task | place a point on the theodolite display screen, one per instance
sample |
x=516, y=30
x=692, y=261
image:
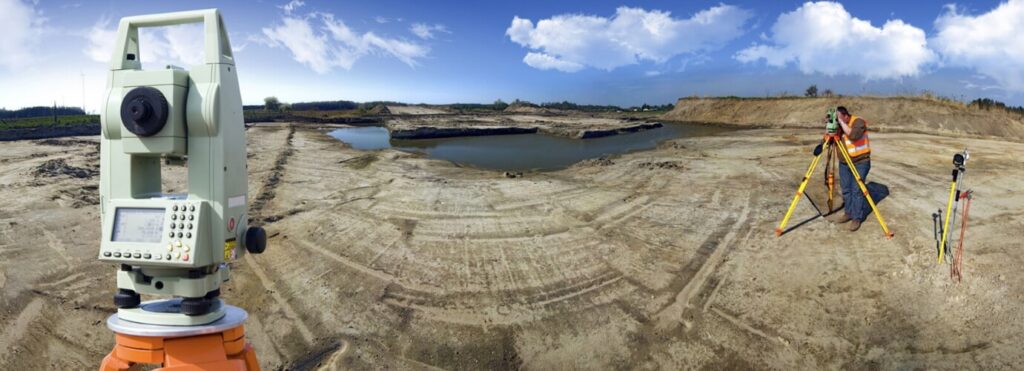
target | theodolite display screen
x=138, y=225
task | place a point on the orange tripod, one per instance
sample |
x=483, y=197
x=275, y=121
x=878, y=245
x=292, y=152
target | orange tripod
x=218, y=346
x=833, y=148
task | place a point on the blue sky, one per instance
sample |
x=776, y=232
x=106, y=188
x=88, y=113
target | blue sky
x=601, y=52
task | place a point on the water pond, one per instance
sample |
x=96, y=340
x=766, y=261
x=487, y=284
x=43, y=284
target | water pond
x=522, y=152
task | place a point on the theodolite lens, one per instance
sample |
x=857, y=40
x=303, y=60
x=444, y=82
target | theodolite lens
x=140, y=110
x=144, y=111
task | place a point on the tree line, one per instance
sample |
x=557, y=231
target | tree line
x=988, y=104
x=39, y=111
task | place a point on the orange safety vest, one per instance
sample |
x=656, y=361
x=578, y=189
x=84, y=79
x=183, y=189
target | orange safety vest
x=860, y=147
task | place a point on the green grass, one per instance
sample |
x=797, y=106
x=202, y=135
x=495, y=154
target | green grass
x=31, y=122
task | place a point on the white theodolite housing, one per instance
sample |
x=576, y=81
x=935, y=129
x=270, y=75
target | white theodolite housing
x=173, y=244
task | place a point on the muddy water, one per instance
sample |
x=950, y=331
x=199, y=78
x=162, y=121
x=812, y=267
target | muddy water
x=522, y=152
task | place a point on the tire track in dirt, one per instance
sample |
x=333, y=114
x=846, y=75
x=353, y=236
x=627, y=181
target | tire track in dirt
x=270, y=182
x=474, y=308
x=697, y=279
x=702, y=266
x=711, y=290
x=17, y=328
x=57, y=246
x=739, y=323
x=289, y=311
x=378, y=274
x=256, y=213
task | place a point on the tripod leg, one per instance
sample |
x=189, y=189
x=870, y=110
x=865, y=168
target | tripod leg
x=958, y=258
x=864, y=189
x=949, y=211
x=112, y=363
x=830, y=175
x=799, y=191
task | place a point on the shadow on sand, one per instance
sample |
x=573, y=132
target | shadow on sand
x=878, y=192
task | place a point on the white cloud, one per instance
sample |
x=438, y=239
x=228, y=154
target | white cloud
x=179, y=45
x=321, y=42
x=331, y=43
x=383, y=19
x=291, y=6
x=822, y=37
x=184, y=43
x=569, y=42
x=426, y=31
x=543, y=61
x=991, y=43
x=101, y=37
x=21, y=28
x=307, y=46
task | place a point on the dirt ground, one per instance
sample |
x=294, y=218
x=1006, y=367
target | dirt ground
x=662, y=259
x=415, y=110
x=573, y=126
x=915, y=114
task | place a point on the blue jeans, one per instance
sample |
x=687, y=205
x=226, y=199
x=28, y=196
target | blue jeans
x=854, y=202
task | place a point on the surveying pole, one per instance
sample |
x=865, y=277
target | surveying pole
x=944, y=245
x=176, y=245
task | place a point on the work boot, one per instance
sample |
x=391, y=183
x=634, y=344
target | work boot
x=855, y=225
x=843, y=218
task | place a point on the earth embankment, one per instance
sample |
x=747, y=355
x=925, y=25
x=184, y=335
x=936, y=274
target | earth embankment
x=884, y=114
x=577, y=125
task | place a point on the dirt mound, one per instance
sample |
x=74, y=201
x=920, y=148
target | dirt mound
x=88, y=195
x=534, y=110
x=415, y=110
x=600, y=161
x=896, y=114
x=58, y=167
x=379, y=109
x=667, y=165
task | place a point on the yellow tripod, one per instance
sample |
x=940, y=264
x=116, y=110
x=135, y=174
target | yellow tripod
x=831, y=148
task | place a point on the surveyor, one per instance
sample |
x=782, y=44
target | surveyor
x=855, y=135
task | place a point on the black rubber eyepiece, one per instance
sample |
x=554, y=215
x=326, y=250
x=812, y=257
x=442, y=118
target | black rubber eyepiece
x=256, y=240
x=144, y=111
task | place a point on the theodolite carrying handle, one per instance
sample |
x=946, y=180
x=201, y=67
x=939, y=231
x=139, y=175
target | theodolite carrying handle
x=217, y=47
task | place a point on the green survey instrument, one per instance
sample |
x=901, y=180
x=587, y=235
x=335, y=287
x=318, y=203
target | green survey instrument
x=173, y=245
x=831, y=121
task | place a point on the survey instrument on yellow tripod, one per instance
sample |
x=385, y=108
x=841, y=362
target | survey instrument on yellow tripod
x=956, y=194
x=831, y=148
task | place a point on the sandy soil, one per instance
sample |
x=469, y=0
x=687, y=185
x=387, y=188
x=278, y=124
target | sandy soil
x=574, y=126
x=657, y=259
x=415, y=110
x=896, y=114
